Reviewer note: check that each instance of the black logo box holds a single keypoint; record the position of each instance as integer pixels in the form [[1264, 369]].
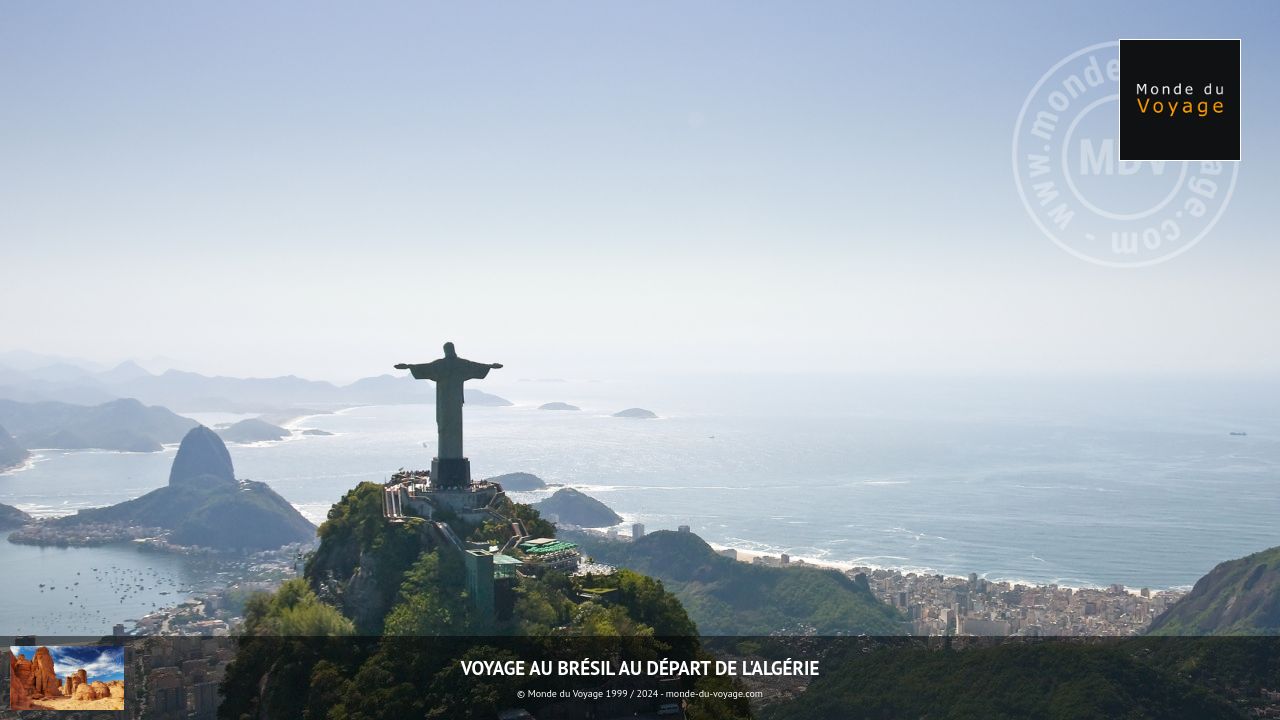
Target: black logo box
[[1185, 67]]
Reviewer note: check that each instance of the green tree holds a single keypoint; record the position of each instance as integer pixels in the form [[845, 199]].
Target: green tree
[[432, 599], [294, 611]]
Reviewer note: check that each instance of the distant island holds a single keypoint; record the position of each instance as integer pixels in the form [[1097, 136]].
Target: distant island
[[11, 517], [64, 382], [558, 406], [203, 506], [125, 425], [639, 413], [11, 453], [519, 481], [577, 508], [68, 405], [253, 430]]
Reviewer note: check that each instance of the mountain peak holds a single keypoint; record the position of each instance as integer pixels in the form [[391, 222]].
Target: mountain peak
[[124, 372], [202, 459]]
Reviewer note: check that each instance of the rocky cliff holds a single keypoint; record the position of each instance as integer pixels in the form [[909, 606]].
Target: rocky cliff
[[362, 558], [202, 460], [34, 678], [204, 505], [20, 681], [73, 681], [44, 680], [34, 684]]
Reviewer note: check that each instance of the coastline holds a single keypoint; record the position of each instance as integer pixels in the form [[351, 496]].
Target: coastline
[[312, 512], [27, 463], [749, 556], [749, 550], [746, 549], [292, 422], [936, 604]]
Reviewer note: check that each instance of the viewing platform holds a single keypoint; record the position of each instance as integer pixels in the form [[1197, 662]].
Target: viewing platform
[[410, 493], [551, 554]]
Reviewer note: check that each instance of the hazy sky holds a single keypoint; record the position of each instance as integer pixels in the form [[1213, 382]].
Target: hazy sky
[[326, 189]]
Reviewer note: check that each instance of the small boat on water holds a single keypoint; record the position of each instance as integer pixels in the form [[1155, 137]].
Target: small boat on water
[[1239, 434]]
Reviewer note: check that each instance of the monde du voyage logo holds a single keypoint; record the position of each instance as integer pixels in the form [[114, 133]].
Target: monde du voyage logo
[[1124, 152]]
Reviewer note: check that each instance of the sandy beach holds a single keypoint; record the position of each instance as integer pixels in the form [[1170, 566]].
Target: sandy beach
[[65, 703]]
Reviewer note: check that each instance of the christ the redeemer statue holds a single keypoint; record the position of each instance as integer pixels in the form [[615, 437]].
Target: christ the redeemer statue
[[450, 468]]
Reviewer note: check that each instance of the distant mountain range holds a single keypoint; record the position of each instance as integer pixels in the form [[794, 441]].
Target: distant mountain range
[[126, 425], [63, 405], [191, 392]]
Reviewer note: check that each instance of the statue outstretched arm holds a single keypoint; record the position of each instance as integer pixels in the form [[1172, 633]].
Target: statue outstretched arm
[[424, 371]]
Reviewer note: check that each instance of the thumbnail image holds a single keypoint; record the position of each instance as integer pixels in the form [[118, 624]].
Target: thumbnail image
[[66, 677]]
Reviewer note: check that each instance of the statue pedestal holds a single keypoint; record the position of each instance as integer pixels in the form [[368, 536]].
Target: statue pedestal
[[450, 472]]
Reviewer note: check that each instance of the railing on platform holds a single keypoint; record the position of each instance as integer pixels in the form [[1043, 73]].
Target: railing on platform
[[391, 507]]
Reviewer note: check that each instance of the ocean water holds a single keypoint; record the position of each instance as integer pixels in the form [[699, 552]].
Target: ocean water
[[85, 591], [1084, 482]]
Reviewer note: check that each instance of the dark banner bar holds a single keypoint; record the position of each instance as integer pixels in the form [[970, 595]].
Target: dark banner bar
[[559, 678]]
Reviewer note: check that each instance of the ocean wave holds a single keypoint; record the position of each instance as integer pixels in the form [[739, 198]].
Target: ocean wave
[[55, 452], [1081, 488], [913, 534], [42, 510], [588, 488], [315, 512], [295, 423]]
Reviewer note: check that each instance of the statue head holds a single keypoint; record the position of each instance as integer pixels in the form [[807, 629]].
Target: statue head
[[449, 351]]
